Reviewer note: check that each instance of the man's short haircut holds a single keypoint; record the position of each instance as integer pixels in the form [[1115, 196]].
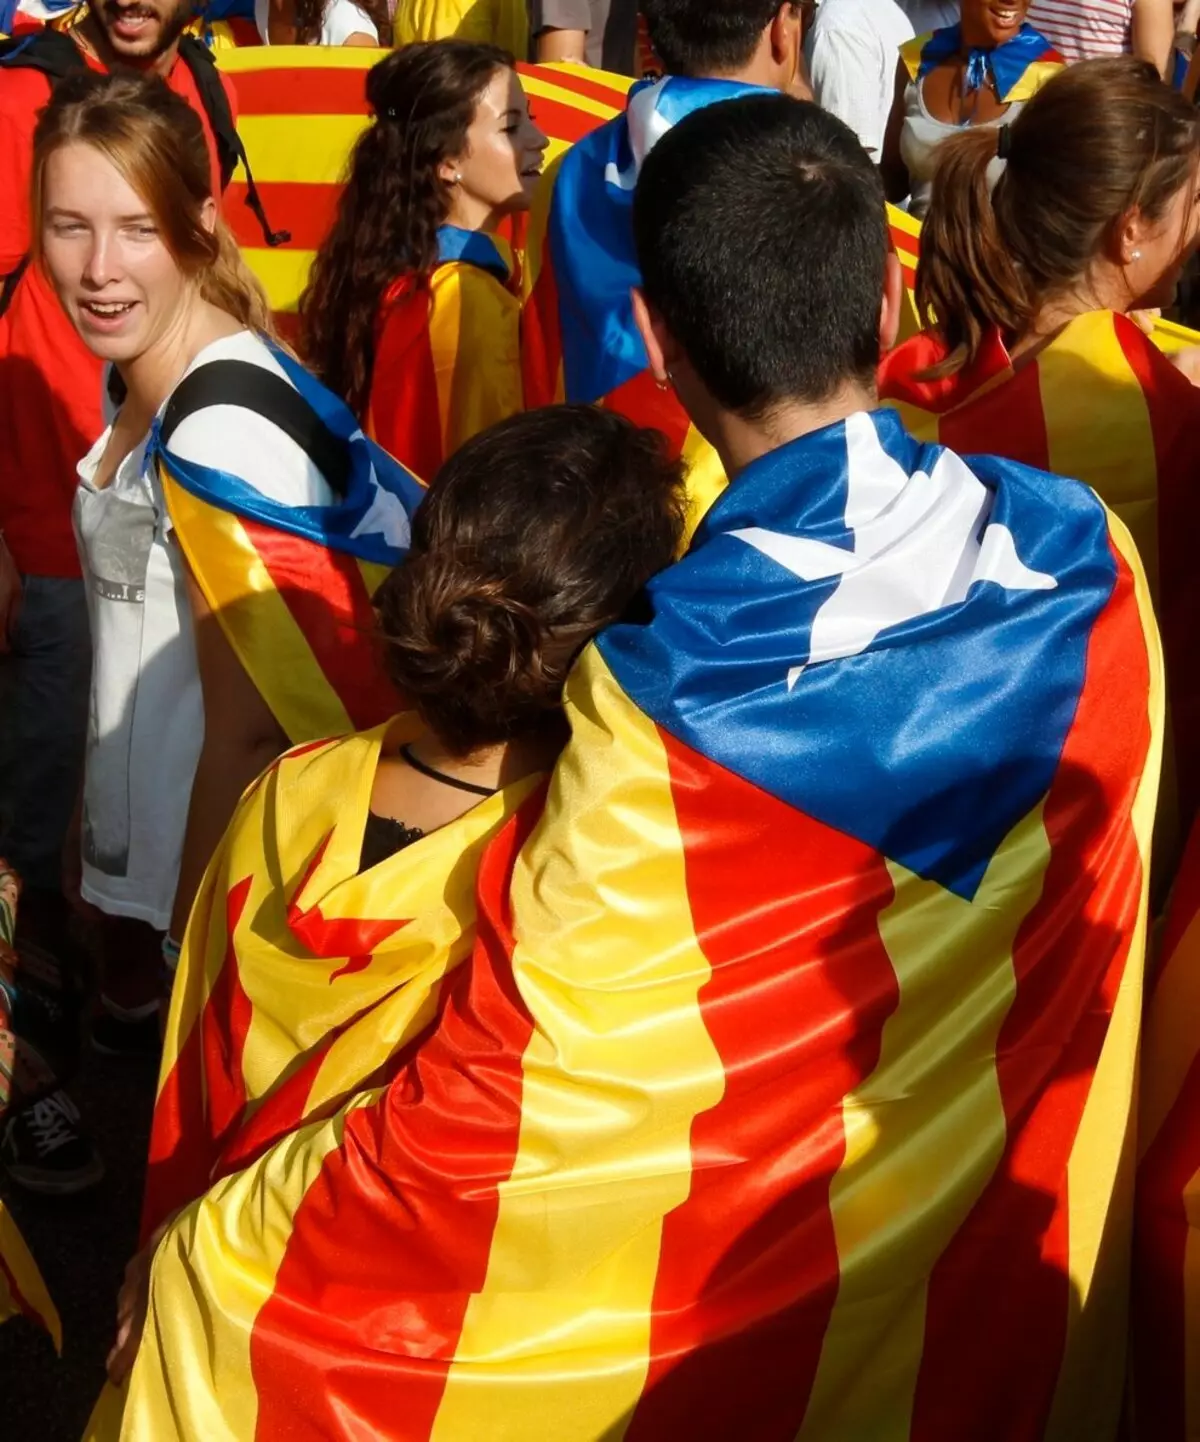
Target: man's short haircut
[[707, 37], [762, 239]]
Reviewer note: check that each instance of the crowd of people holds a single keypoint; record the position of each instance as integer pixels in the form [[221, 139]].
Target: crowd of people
[[633, 800]]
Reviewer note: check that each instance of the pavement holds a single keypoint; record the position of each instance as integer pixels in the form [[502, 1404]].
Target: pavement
[[81, 1245]]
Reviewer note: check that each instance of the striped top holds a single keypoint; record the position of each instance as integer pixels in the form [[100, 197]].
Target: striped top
[[1083, 29]]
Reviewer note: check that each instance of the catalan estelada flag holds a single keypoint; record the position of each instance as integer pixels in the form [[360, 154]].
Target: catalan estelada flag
[[579, 341], [789, 1090], [301, 979], [1100, 404], [1017, 69], [300, 110], [448, 353], [1166, 1270], [292, 586]]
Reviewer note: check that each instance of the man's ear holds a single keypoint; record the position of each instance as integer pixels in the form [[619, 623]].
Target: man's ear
[[891, 308], [660, 344], [787, 51]]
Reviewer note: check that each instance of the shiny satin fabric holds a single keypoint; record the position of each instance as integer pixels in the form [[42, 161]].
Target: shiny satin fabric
[[1102, 405], [448, 353], [743, 1121], [1166, 1273], [22, 1291], [1018, 69]]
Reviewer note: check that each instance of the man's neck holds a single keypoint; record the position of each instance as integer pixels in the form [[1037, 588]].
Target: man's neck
[[740, 442]]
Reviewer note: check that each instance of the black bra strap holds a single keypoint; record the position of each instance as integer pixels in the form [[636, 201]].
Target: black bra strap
[[406, 752], [254, 388]]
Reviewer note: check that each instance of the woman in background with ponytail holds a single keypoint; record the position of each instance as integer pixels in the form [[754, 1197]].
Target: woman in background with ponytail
[[411, 313], [186, 593], [1034, 355]]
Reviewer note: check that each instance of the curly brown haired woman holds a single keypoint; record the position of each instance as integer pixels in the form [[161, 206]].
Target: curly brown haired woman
[[323, 22], [411, 313]]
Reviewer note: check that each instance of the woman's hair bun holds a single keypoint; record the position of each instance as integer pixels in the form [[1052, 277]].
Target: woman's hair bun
[[534, 536]]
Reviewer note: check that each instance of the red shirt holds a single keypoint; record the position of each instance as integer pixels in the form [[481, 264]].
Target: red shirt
[[50, 403]]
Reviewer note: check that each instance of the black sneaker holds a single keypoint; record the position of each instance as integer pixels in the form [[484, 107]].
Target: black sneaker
[[46, 1150], [137, 1038]]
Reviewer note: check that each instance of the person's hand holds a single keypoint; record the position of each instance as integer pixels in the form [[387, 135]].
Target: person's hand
[[10, 597], [1188, 361], [133, 1301], [1146, 319]]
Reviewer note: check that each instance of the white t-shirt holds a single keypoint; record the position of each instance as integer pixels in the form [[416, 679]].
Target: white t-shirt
[[146, 715], [853, 52], [342, 19]]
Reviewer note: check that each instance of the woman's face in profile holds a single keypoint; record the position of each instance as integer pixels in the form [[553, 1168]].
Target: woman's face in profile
[[106, 257], [505, 148]]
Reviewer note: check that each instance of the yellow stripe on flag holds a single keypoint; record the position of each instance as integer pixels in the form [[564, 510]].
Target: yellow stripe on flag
[[566, 1301], [924, 1133], [300, 149]]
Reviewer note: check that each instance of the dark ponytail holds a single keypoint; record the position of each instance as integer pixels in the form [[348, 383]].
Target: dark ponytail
[[1101, 139], [424, 98]]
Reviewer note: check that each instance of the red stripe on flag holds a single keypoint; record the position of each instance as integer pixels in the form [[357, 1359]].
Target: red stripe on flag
[[325, 592], [1000, 1295], [306, 211], [392, 1239], [642, 402], [541, 337], [1161, 1237], [405, 411], [786, 911], [583, 85], [1008, 420], [303, 91], [205, 1092], [1173, 404]]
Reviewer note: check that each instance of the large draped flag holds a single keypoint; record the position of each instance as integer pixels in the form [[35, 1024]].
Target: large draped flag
[[301, 979], [1099, 404], [788, 1092], [579, 342], [1166, 1272], [292, 586], [300, 110], [447, 352]]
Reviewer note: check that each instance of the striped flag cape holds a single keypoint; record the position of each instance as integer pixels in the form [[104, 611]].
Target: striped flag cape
[[1102, 405], [788, 1092], [447, 357], [579, 342], [1166, 1271], [291, 586], [300, 111]]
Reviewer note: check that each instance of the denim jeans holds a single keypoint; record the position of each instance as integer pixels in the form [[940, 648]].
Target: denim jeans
[[44, 683]]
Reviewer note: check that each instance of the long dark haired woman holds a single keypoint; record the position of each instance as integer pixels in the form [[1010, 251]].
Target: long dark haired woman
[[1034, 355], [411, 312], [323, 22]]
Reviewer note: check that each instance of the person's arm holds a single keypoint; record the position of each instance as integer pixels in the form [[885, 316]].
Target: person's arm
[[1154, 32], [241, 738], [367, 42], [896, 182], [560, 30], [844, 71], [568, 46]]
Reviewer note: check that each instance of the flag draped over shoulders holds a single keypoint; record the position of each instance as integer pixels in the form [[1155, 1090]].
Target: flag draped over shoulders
[[579, 340], [1102, 405], [788, 1092], [1166, 1271], [301, 978], [291, 586], [1017, 69], [448, 355]]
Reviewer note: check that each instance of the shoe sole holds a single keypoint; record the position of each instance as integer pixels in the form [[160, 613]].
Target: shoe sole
[[55, 1188]]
